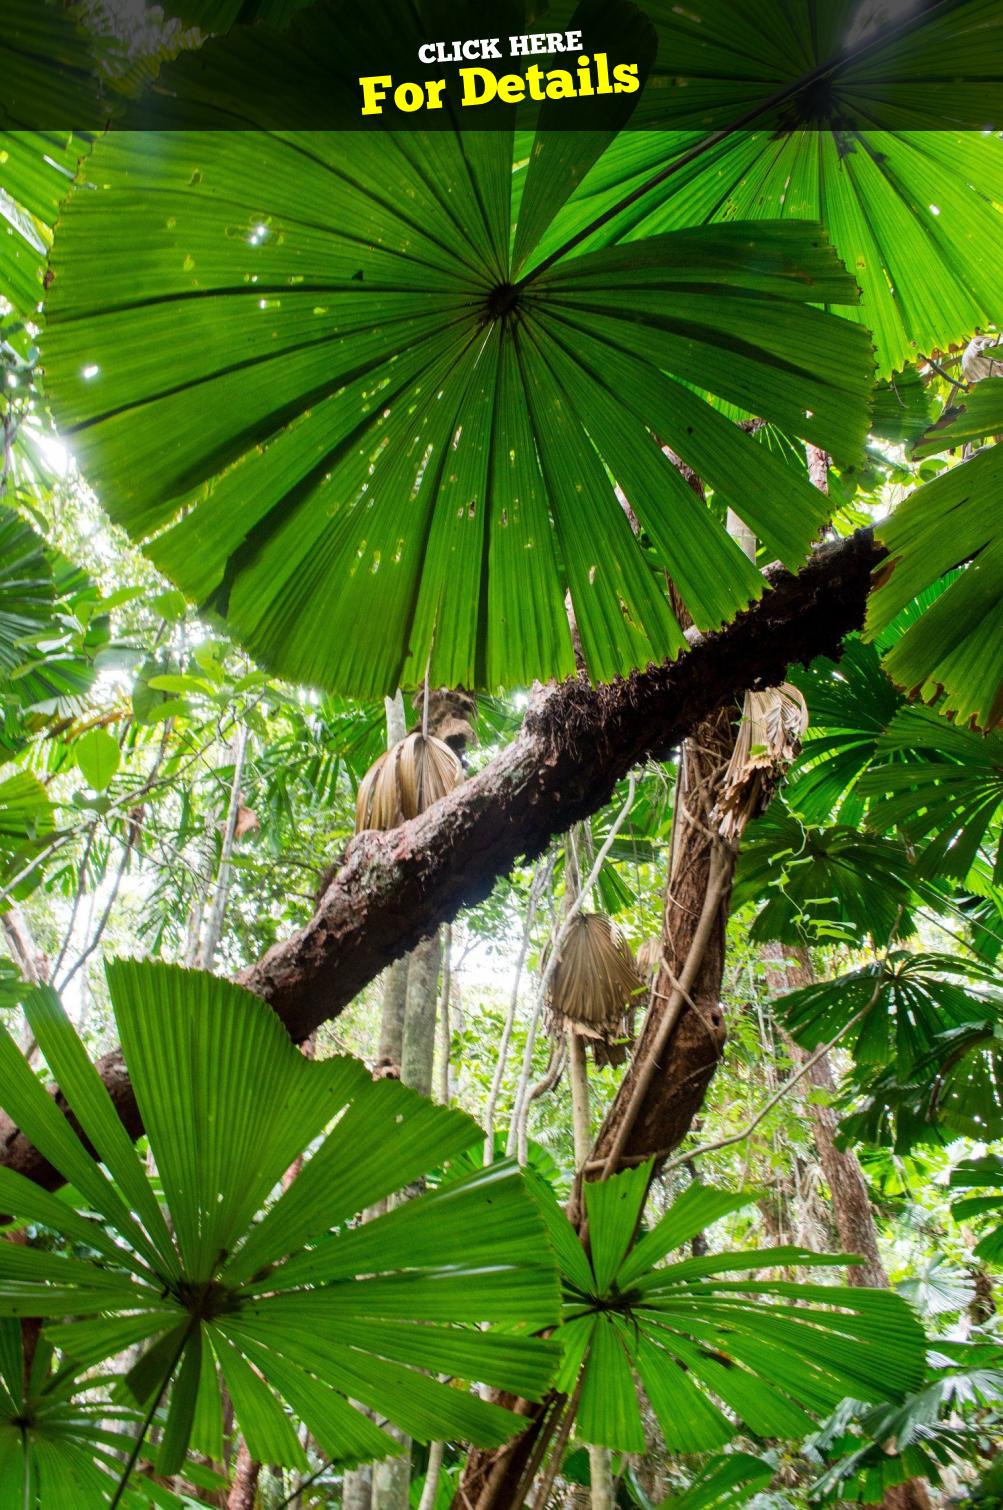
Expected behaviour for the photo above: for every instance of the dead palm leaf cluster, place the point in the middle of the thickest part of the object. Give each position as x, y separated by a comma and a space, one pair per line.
768, 740
649, 957
406, 780
594, 986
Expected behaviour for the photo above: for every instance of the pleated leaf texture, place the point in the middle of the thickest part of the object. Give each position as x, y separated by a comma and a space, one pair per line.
60, 1441
395, 432
714, 1350
954, 647
984, 1174
910, 197
283, 1297
901, 1004
405, 780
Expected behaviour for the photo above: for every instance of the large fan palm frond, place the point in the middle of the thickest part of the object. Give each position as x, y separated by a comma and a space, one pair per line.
278, 1293
394, 444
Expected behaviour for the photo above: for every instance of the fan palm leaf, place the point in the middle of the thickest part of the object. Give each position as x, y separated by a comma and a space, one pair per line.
395, 442
225, 1276
702, 1342
900, 1005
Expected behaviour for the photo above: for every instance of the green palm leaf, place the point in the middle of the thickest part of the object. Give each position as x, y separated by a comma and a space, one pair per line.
711, 1349
827, 883
955, 1088
27, 823
954, 647
59, 1437
851, 703
981, 1174
382, 416
901, 1004
224, 1276
27, 592
728, 1478
855, 142
944, 791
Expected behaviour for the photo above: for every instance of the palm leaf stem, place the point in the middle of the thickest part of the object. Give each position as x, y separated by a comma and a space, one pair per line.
154, 1407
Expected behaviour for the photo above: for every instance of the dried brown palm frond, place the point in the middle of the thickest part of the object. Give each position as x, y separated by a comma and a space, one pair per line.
594, 985
649, 957
768, 739
405, 781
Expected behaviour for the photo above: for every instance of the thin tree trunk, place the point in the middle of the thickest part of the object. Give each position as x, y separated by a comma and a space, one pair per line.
357, 1488
392, 1016
601, 1477
541, 877
28, 958
578, 1075
243, 1491
217, 909
683, 1035
418, 1049
430, 1489
446, 1026
392, 1476
789, 970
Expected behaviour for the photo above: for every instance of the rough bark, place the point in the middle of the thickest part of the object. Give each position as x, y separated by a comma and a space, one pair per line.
909, 1496
243, 1491
789, 970
652, 1112
418, 1049
577, 742
851, 1202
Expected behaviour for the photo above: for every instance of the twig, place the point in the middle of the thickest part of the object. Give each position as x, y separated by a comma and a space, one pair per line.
447, 1032
541, 877
102, 922
788, 1085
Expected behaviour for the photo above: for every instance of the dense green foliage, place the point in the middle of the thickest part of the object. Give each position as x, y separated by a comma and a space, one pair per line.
362, 412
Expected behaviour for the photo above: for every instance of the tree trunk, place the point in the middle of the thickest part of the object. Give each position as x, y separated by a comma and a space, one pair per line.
433, 1473
577, 742
789, 970
217, 909
357, 1488
578, 1077
392, 1017
392, 1476
683, 1035
603, 1495
909, 1496
421, 1010
28, 958
243, 1492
